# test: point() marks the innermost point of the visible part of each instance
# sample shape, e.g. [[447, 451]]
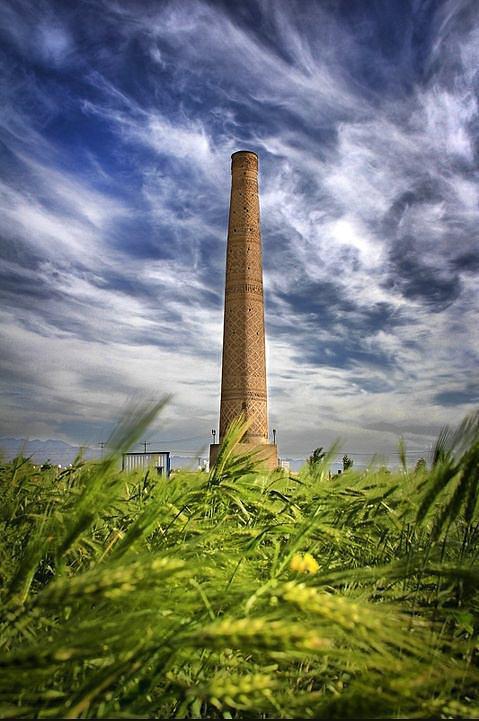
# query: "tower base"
[[266, 457]]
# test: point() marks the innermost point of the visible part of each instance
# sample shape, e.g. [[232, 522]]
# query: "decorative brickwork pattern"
[[243, 381]]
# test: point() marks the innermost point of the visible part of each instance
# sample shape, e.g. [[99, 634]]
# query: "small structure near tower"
[[243, 379], [159, 460]]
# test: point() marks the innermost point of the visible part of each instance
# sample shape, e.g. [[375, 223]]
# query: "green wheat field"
[[241, 594]]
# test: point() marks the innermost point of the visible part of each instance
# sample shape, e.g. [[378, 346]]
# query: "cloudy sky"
[[117, 122]]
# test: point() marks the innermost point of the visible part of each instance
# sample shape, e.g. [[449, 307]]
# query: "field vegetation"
[[241, 594]]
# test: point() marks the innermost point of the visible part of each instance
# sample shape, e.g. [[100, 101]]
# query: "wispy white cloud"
[[38, 30]]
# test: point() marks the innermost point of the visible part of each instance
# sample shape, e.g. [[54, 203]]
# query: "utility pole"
[[145, 445], [102, 446]]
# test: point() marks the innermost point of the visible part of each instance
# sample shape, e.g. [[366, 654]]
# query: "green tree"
[[316, 457], [420, 466], [347, 462]]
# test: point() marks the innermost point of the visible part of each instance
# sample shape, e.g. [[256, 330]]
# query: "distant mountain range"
[[62, 453], [57, 452]]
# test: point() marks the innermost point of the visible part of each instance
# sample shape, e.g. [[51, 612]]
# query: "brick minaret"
[[243, 380]]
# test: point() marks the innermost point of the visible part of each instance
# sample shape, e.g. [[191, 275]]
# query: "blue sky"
[[117, 122]]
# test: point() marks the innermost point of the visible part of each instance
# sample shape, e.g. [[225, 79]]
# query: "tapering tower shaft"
[[243, 381]]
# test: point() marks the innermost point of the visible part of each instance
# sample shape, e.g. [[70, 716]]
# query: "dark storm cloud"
[[332, 329], [327, 303], [467, 262], [417, 279], [117, 123], [411, 427], [469, 394]]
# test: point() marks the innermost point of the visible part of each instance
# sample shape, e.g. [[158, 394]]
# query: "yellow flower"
[[296, 563], [304, 564], [311, 564]]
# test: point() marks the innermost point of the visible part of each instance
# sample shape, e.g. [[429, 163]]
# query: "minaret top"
[[244, 152], [244, 160]]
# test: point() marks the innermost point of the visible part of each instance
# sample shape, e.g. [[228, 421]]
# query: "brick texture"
[[243, 381]]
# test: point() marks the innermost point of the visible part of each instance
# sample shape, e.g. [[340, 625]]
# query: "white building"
[[160, 460]]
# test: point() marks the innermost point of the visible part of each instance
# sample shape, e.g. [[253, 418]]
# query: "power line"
[[175, 440], [380, 453]]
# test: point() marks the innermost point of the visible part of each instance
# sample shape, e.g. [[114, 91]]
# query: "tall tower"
[[243, 379]]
